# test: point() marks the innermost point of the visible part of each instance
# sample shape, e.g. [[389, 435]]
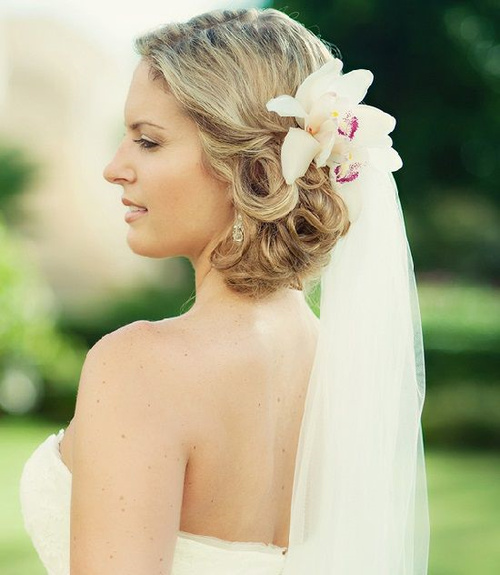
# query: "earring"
[[238, 229]]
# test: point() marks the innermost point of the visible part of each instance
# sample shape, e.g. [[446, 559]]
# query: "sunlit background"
[[67, 276]]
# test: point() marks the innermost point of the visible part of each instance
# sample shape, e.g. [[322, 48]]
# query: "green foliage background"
[[437, 71]]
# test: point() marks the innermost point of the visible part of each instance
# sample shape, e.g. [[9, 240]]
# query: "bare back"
[[239, 479], [244, 407]]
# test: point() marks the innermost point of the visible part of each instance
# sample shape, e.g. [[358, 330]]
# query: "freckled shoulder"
[[141, 371], [131, 448]]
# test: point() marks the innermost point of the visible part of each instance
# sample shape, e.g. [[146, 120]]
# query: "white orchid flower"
[[364, 140], [335, 129], [370, 144]]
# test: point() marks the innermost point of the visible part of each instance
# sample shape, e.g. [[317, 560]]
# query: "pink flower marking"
[[351, 174], [349, 126]]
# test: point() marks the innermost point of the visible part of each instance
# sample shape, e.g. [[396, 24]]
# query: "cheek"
[[177, 206], [187, 206], [162, 183], [182, 188]]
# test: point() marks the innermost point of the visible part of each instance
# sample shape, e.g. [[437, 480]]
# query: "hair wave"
[[223, 66]]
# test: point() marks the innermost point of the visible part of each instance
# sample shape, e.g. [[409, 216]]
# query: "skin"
[[160, 167], [182, 375]]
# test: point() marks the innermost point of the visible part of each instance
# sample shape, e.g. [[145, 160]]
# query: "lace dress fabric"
[[45, 496]]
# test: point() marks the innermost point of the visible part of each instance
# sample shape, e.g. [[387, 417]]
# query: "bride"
[[192, 443]]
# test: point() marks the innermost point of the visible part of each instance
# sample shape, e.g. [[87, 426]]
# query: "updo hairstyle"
[[222, 67]]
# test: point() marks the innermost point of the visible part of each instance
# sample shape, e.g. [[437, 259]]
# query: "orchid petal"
[[384, 142], [326, 137], [342, 147], [324, 154], [353, 85], [285, 105], [385, 159], [297, 152], [334, 159], [342, 106], [319, 82], [347, 156], [374, 125], [351, 195], [321, 111], [358, 155]]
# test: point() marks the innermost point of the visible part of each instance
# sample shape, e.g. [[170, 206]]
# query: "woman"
[[185, 451]]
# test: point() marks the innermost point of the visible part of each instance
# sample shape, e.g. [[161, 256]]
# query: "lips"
[[132, 205], [133, 214], [134, 208]]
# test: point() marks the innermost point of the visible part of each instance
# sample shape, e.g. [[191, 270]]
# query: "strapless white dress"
[[45, 496]]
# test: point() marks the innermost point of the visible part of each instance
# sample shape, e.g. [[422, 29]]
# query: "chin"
[[148, 252], [143, 248], [148, 248]]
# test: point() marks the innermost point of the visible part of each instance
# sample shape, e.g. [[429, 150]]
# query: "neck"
[[211, 291]]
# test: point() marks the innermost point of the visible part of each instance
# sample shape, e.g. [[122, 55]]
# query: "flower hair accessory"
[[336, 130]]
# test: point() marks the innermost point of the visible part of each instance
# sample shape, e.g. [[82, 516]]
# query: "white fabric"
[[359, 503], [45, 495]]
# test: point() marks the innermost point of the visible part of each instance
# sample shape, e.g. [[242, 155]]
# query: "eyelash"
[[145, 144]]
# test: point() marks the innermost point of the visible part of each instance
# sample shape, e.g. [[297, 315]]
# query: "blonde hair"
[[223, 66]]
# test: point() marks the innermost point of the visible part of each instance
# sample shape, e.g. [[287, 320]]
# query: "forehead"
[[148, 97]]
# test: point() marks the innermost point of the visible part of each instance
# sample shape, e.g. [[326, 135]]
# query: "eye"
[[146, 144]]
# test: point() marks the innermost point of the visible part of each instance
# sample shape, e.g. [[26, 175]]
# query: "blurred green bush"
[[17, 173], [35, 357], [461, 329]]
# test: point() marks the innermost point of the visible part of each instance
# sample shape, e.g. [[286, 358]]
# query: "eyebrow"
[[136, 125]]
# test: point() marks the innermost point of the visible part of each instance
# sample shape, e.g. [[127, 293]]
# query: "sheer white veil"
[[359, 503]]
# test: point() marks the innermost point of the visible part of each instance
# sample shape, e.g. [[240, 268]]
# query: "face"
[[183, 209]]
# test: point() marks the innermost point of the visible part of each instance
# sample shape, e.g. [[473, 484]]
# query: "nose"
[[118, 171]]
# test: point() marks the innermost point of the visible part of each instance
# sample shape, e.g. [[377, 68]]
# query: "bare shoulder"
[[212, 359], [141, 372], [130, 442]]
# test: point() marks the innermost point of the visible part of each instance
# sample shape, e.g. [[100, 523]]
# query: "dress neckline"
[[256, 546]]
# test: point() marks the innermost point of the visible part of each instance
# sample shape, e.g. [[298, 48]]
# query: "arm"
[[129, 460]]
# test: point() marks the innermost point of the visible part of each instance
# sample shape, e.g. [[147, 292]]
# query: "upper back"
[[246, 378], [238, 380]]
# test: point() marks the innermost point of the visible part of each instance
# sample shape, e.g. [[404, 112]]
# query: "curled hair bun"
[[223, 66]]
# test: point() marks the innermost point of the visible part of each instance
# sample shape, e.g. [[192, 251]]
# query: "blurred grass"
[[464, 495], [458, 317]]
